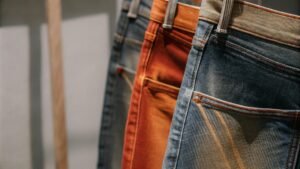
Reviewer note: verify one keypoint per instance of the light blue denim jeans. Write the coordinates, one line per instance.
(125, 53)
(239, 103)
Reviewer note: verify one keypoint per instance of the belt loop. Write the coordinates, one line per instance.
(225, 16)
(134, 8)
(170, 14)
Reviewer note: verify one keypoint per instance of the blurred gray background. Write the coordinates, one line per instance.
(26, 131)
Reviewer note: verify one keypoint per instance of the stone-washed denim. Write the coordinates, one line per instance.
(239, 102)
(124, 57)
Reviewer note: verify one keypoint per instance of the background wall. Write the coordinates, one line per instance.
(26, 138)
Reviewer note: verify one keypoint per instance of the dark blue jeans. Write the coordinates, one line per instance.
(239, 103)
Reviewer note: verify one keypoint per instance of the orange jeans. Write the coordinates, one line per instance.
(157, 82)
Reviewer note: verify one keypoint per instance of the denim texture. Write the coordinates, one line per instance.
(238, 105)
(125, 53)
(159, 75)
(123, 62)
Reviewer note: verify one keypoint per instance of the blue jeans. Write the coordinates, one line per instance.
(123, 61)
(239, 103)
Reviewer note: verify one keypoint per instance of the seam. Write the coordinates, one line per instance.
(290, 162)
(162, 84)
(297, 156)
(291, 145)
(176, 38)
(200, 40)
(208, 100)
(119, 39)
(175, 25)
(247, 113)
(291, 16)
(262, 59)
(107, 109)
(183, 123)
(153, 18)
(154, 29)
(133, 42)
(297, 144)
(284, 42)
(192, 87)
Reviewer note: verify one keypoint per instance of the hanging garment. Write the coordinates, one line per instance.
(159, 75)
(124, 58)
(239, 103)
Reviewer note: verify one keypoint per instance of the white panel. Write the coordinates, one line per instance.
(15, 115)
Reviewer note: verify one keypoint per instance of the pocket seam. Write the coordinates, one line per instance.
(280, 67)
(160, 85)
(292, 156)
(213, 102)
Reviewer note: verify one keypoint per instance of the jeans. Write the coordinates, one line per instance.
(123, 61)
(239, 102)
(157, 81)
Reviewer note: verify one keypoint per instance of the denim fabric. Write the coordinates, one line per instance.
(158, 78)
(238, 105)
(171, 11)
(124, 57)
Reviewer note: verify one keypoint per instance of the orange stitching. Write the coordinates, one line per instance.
(233, 105)
(152, 27)
(162, 84)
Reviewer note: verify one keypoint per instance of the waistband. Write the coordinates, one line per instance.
(186, 16)
(136, 9)
(256, 20)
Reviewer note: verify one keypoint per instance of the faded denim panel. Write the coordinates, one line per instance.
(238, 106)
(124, 57)
(250, 71)
(218, 135)
(185, 94)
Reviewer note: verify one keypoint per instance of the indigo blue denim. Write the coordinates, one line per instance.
(238, 106)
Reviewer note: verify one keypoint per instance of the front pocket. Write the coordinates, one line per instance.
(156, 107)
(230, 136)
